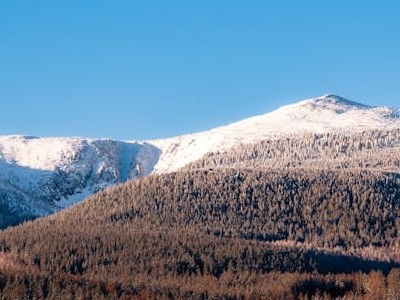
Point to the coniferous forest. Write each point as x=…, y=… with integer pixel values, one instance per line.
x=309, y=217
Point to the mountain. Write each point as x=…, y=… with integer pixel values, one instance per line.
x=222, y=234
x=328, y=113
x=299, y=203
x=39, y=176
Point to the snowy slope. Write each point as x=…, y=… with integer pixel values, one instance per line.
x=42, y=175
x=323, y=114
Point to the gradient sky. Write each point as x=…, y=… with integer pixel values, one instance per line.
x=148, y=69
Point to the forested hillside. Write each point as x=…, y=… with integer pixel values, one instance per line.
x=216, y=234
x=305, y=216
x=39, y=176
x=372, y=149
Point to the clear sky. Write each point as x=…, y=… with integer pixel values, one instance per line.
x=147, y=69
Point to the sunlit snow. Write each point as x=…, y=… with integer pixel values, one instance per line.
x=43, y=175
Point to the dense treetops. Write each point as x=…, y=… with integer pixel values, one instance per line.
x=374, y=149
x=322, y=209
x=213, y=223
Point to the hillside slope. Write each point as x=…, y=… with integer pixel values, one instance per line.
x=289, y=205
x=377, y=150
x=328, y=113
x=39, y=176
x=214, y=235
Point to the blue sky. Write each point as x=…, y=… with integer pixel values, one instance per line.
x=147, y=69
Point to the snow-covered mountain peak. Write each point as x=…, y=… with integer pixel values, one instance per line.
x=338, y=100
x=42, y=175
x=322, y=114
x=328, y=102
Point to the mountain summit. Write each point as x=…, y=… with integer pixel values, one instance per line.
x=331, y=99
x=328, y=113
x=42, y=175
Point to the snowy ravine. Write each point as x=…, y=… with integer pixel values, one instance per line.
x=39, y=176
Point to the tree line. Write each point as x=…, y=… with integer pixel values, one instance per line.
x=223, y=233
x=373, y=149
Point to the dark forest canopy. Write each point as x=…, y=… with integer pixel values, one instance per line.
x=222, y=229
x=315, y=216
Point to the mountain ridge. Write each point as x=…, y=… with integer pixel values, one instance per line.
x=42, y=175
x=332, y=98
x=319, y=115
